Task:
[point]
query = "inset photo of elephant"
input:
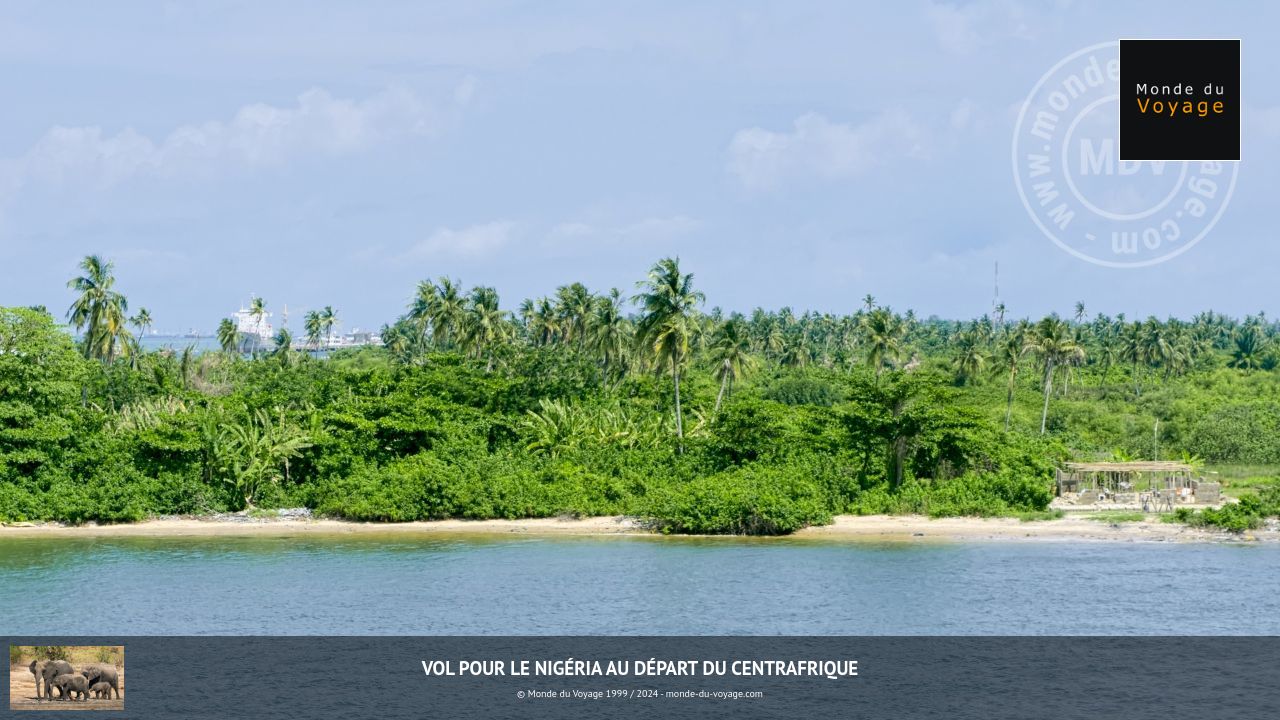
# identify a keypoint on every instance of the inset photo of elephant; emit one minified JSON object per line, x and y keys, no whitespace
{"x":66,"y":677}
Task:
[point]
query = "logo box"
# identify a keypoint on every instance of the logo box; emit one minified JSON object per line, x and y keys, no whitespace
{"x":1180,"y":100}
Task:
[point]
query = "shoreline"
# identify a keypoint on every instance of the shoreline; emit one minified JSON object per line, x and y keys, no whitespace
{"x":851,"y":528}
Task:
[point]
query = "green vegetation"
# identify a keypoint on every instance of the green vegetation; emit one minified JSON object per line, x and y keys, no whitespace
{"x":1117,"y":516}
{"x":588,"y":403}
{"x":1240,"y":480}
{"x":24,"y":654}
{"x":1037,"y":515}
{"x":1250,"y":513}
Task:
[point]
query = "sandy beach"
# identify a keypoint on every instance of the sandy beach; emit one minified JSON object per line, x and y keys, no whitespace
{"x":907,"y":528}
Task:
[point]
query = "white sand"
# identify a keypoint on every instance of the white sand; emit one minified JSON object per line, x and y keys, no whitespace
{"x":910,"y":528}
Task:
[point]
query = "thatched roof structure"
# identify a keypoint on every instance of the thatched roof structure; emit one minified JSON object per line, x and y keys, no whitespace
{"x":1141,"y":466}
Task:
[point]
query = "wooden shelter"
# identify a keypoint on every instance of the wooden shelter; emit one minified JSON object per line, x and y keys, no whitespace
{"x":1117,"y":479}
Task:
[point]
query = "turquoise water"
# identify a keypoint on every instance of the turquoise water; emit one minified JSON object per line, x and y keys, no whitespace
{"x":394,"y":586}
{"x":178,"y":344}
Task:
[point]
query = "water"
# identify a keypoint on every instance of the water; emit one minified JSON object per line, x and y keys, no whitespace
{"x":628,"y":585}
{"x":175,"y":344}
{"x":178,"y":344}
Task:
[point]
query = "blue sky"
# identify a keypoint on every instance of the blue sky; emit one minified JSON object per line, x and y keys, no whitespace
{"x":800,"y":154}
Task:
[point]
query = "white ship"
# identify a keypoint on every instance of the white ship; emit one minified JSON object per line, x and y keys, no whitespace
{"x":339,"y":341}
{"x":257,"y":332}
{"x":254,"y":328}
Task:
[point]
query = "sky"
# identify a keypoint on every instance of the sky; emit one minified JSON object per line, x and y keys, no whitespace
{"x":800,"y":154}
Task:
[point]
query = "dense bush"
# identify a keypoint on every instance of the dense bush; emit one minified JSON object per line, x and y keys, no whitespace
{"x":41,"y":376}
{"x":415,"y":488}
{"x":425,"y":487}
{"x":1238,"y":433}
{"x":804,"y":390}
{"x":742,"y":501}
{"x":979,"y":494}
{"x":1248,"y":514}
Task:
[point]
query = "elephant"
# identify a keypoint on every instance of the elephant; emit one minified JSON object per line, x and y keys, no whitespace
{"x":103,"y":673}
{"x":48,"y":671}
{"x":101,"y":690}
{"x":71,"y":684}
{"x":36,"y":667}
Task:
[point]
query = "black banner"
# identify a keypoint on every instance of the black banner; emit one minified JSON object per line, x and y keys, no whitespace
{"x":691,"y":677}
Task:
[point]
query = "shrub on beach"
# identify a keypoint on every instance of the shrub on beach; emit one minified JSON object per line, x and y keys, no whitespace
{"x":975,"y":494}
{"x":427,"y":487}
{"x":1247,"y":514}
{"x":742,"y":501}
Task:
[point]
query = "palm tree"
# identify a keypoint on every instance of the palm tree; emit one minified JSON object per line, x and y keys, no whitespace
{"x":257,"y":310}
{"x":1080,"y":311}
{"x":1107,"y":349}
{"x":1251,"y":348}
{"x":142,"y":321}
{"x":1134,"y":349}
{"x":228,"y":336}
{"x":421,"y":309}
{"x":448,"y":313}
{"x":1078,"y":335}
{"x":730,"y":353}
{"x":99,"y":310}
{"x":1052,"y":341}
{"x":328,"y":318}
{"x":608,"y":330}
{"x":970,"y":360}
{"x":313,"y":325}
{"x":794,"y":353}
{"x":484,"y":324}
{"x":668,"y":304}
{"x":1011,"y":350}
{"x":883,"y":333}
{"x":1158,"y":343}
{"x":396,"y":340}
{"x":574,"y":304}
{"x":775,"y":343}
{"x":131,"y":349}
{"x":541,"y":322}
{"x":283,"y":350}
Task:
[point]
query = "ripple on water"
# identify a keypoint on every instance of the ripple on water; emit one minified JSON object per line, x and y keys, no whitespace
{"x":629,"y":585}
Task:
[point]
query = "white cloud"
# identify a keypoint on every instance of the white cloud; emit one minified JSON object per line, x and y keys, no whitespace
{"x":964,"y":115}
{"x":1264,"y":121}
{"x":647,"y":229}
{"x":817,"y":147}
{"x":954,"y":27}
{"x":257,"y":135}
{"x":962,"y":28}
{"x":476,"y":241}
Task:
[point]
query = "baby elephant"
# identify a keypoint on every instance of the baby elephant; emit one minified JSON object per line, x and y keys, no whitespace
{"x":98,"y":674}
{"x":101,"y":690}
{"x":71,"y":684}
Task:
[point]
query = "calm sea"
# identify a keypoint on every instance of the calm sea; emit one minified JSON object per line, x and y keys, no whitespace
{"x":393,"y":586}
